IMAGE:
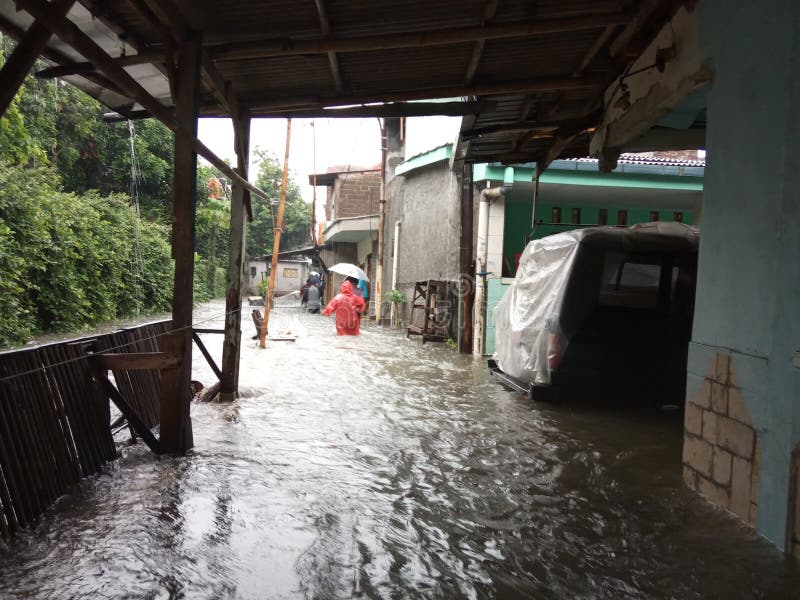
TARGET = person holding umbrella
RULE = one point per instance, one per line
(348, 308)
(347, 304)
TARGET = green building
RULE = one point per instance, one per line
(572, 194)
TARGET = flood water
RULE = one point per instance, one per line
(374, 467)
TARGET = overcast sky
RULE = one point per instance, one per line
(328, 142)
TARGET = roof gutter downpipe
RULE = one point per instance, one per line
(487, 196)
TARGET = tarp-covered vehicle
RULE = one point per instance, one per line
(601, 311)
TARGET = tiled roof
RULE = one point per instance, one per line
(647, 159)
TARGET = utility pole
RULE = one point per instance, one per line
(276, 245)
(381, 219)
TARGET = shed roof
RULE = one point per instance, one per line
(531, 73)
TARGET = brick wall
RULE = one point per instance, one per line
(356, 195)
(721, 450)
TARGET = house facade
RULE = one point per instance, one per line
(572, 194)
(350, 233)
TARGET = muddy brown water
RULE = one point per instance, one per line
(375, 467)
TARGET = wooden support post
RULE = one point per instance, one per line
(238, 234)
(467, 291)
(276, 245)
(18, 65)
(175, 393)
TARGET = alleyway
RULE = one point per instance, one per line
(373, 467)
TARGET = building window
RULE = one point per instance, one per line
(291, 273)
(576, 216)
(622, 217)
(555, 216)
(654, 215)
(678, 217)
(253, 272)
(602, 217)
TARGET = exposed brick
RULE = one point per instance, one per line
(719, 398)
(690, 477)
(721, 368)
(697, 453)
(703, 396)
(721, 468)
(740, 487)
(713, 493)
(710, 426)
(693, 419)
(733, 375)
(737, 409)
(735, 437)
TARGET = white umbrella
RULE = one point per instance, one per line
(349, 270)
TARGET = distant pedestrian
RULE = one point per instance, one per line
(313, 299)
(348, 308)
(304, 292)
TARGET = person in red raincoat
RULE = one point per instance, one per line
(348, 308)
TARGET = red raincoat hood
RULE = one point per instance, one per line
(347, 288)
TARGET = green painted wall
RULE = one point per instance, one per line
(517, 224)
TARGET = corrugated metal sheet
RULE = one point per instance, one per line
(119, 27)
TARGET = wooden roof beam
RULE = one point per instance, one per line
(598, 43)
(168, 19)
(643, 14)
(397, 109)
(23, 57)
(70, 34)
(542, 84)
(59, 57)
(414, 39)
(477, 51)
(325, 26)
(82, 68)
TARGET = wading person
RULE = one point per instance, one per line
(348, 308)
(313, 299)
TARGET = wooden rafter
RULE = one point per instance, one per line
(477, 51)
(598, 43)
(70, 34)
(82, 68)
(397, 109)
(60, 58)
(415, 39)
(18, 65)
(333, 60)
(645, 11)
(541, 84)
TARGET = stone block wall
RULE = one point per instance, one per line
(721, 450)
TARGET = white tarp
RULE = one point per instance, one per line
(529, 312)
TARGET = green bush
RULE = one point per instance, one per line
(68, 261)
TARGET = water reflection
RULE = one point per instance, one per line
(373, 467)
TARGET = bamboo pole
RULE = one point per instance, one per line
(276, 245)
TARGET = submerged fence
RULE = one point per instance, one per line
(55, 418)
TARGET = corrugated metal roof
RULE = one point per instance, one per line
(275, 56)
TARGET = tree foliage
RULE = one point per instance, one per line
(86, 209)
(69, 261)
(297, 213)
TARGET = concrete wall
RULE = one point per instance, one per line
(426, 201)
(747, 314)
